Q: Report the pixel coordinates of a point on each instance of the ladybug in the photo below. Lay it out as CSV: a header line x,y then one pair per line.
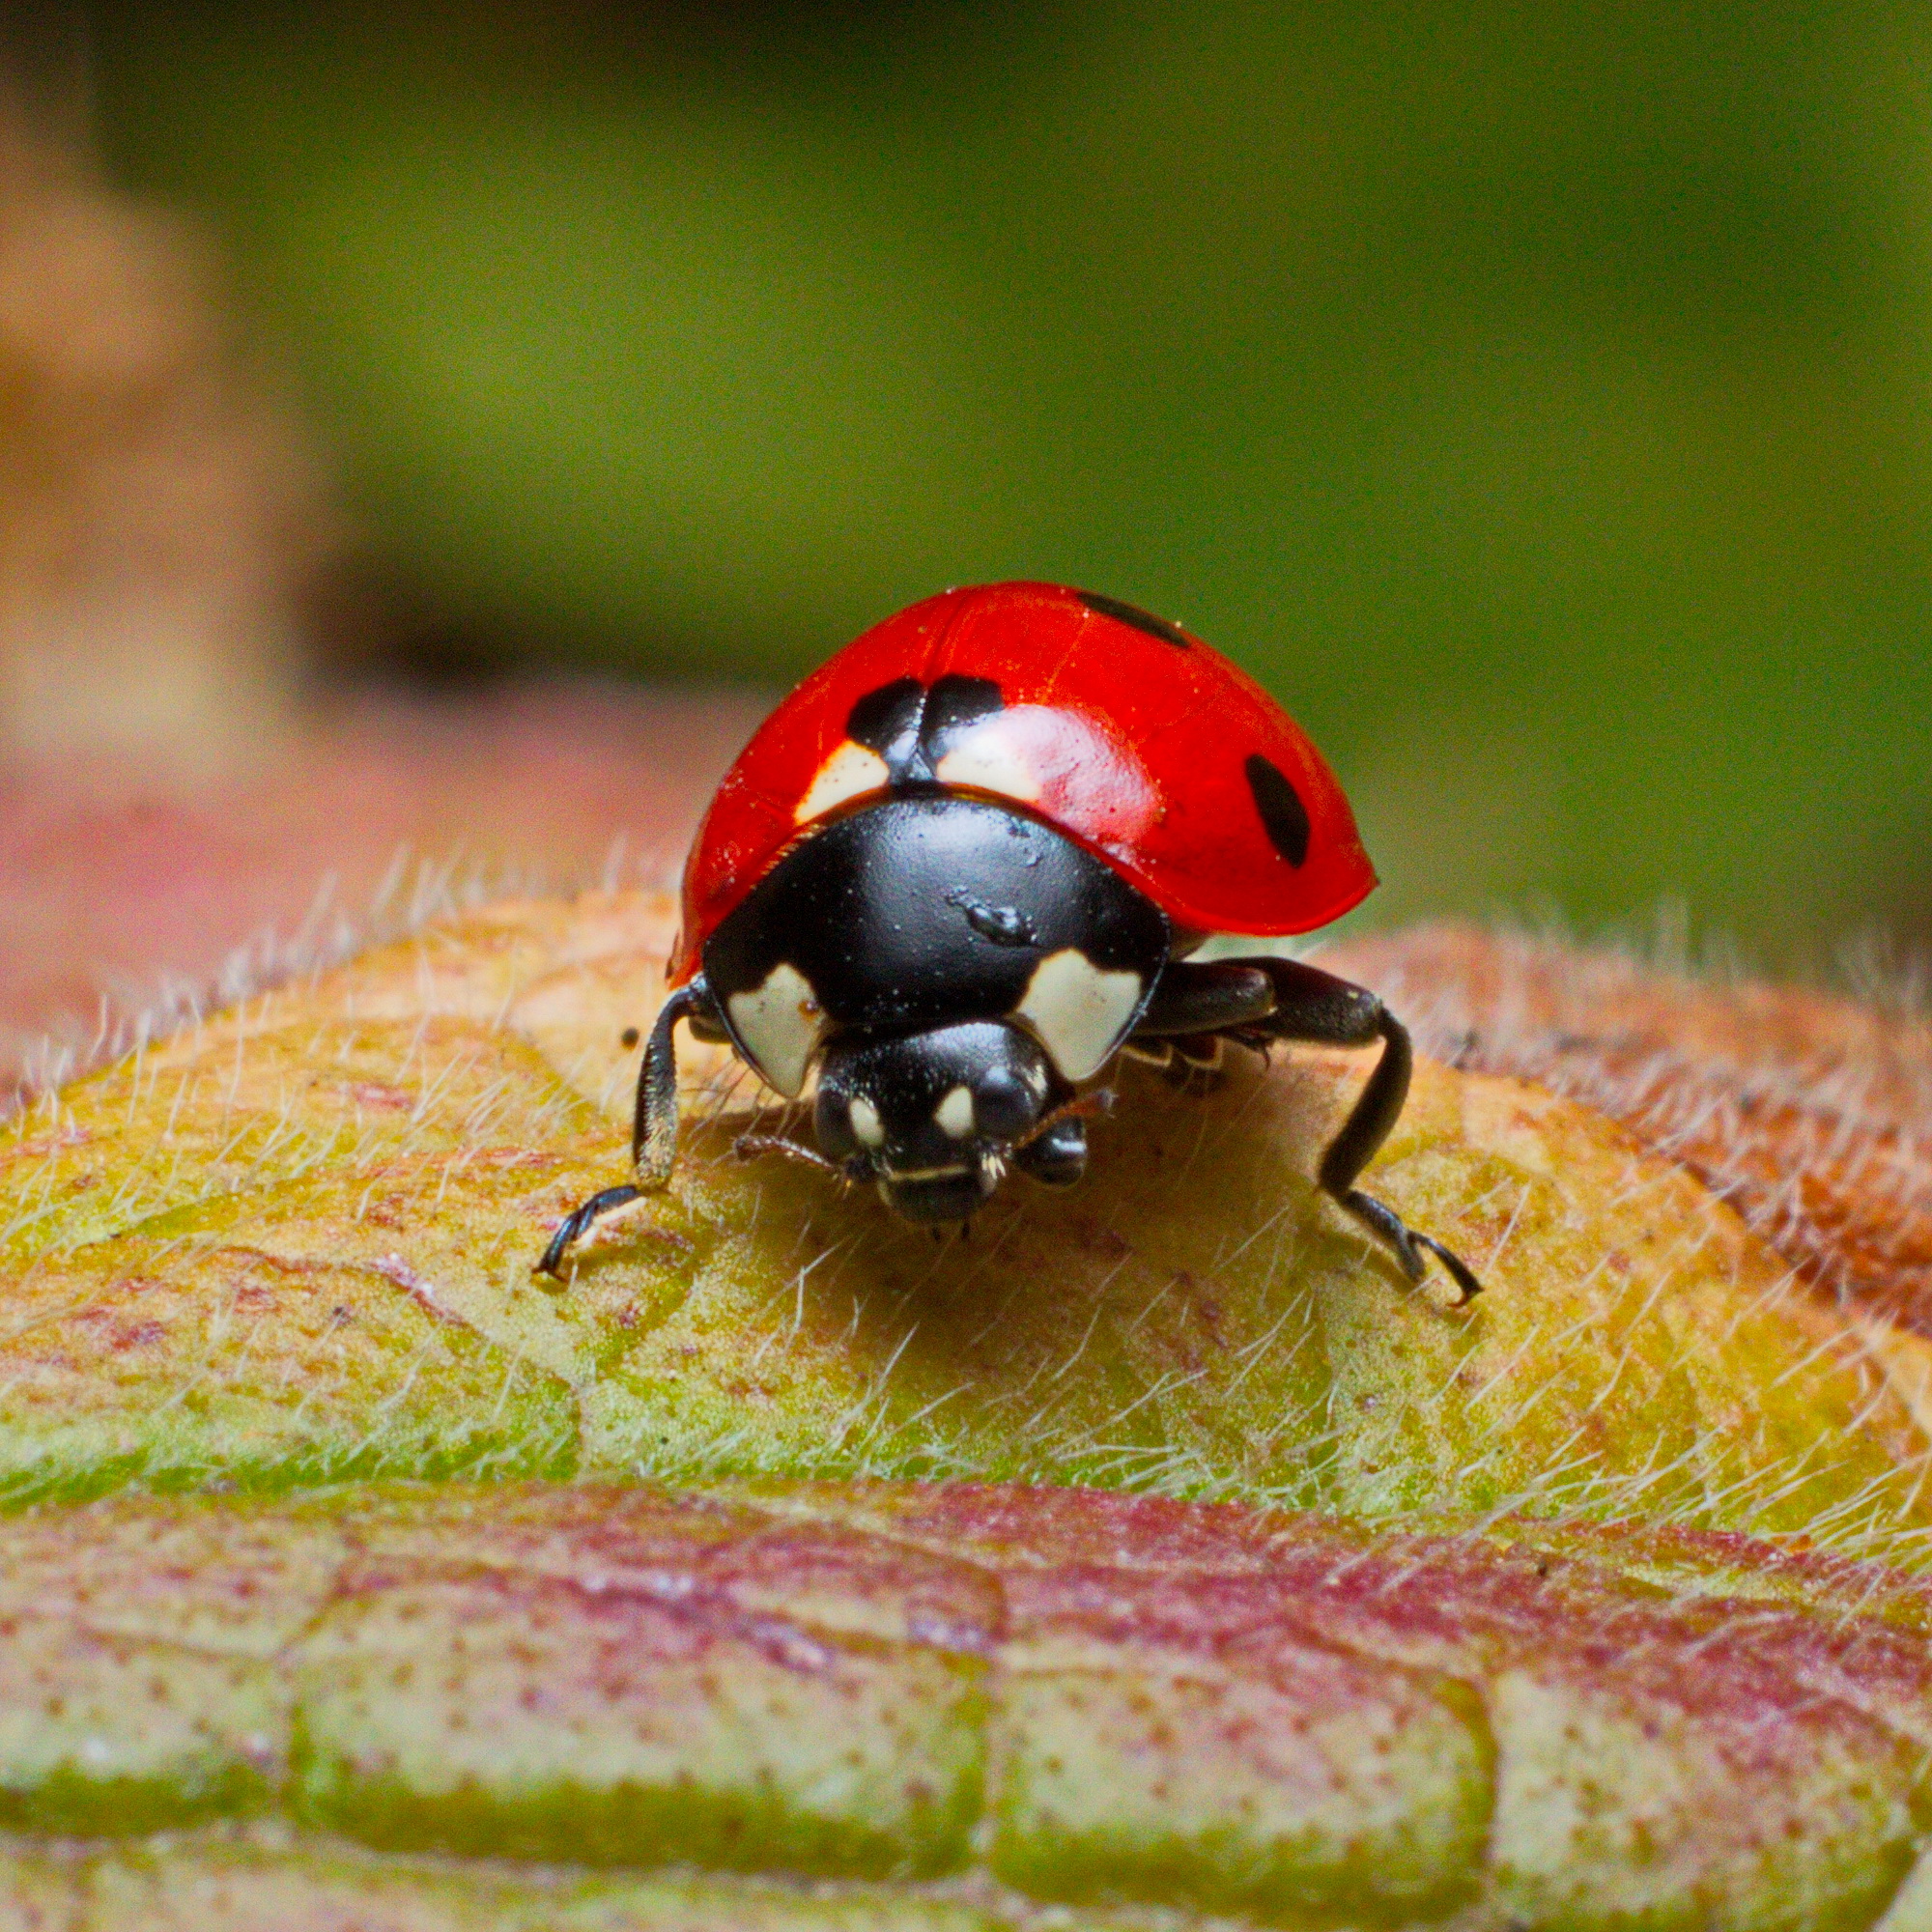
x,y
967,862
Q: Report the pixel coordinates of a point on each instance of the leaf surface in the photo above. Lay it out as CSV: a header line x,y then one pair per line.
x,y
1155,1551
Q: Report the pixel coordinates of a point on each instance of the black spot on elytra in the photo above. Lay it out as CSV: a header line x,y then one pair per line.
x,y
1141,620
1280,806
910,727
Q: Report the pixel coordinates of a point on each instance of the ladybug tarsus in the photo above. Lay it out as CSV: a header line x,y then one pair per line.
x,y
574,1226
1459,1270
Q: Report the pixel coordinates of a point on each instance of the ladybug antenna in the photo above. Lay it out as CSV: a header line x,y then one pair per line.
x,y
1081,1107
749,1147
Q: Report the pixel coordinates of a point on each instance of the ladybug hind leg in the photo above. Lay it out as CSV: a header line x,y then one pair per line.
x,y
1258,1001
654,1124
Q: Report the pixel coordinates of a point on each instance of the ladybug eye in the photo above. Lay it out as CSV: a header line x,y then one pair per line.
x,y
832,1123
844,1125
1003,1104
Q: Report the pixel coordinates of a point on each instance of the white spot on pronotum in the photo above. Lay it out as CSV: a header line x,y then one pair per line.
x,y
778,1024
866,1127
1079,1010
955,1113
851,772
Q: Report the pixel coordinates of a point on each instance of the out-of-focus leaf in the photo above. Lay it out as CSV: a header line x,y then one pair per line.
x,y
1020,1694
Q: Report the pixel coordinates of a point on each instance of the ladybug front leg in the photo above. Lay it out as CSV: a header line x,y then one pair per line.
x,y
1195,1006
1308,1005
654,1124
578,1222
653,1127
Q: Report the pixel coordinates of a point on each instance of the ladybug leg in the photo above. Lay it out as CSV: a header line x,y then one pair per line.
x,y
1318,1009
1209,996
654,1124
573,1224
654,1130
749,1147
1195,1006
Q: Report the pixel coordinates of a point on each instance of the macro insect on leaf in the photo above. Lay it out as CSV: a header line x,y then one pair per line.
x,y
969,861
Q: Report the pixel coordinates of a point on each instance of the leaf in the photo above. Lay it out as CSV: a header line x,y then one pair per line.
x,y
1156,1548
1025,1692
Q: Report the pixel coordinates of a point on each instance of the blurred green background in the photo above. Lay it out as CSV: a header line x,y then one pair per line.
x,y
1538,398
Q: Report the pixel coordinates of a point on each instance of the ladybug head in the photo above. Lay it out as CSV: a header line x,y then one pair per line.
x,y
932,1117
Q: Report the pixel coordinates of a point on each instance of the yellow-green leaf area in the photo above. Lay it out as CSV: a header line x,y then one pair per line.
x,y
292,1244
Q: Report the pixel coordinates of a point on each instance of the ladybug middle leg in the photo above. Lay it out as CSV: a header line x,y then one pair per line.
x,y
1263,1000
654,1124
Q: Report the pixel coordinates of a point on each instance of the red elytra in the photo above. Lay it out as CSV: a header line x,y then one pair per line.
x,y
1136,747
